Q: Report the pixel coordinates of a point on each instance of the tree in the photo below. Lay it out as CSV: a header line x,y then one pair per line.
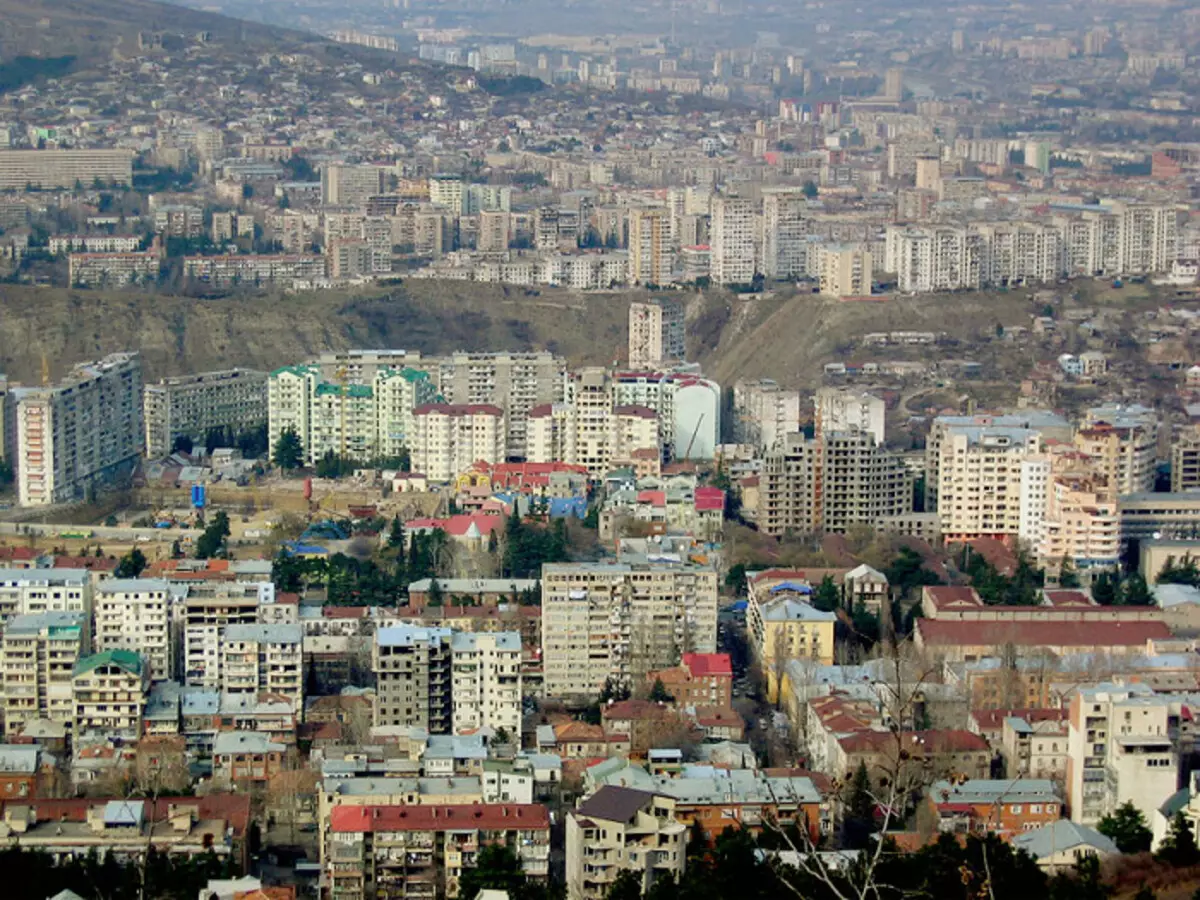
x,y
497,868
859,822
626,886
436,595
182,444
211,541
810,189
659,693
1179,846
289,452
131,565
827,597
1135,592
1067,576
1126,827
396,534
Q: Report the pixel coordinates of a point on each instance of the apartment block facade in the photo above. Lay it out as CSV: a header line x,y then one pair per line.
x,y
448,438
109,693
50,169
733,231
257,659
26,592
37,656
656,333
135,614
621,621
763,412
193,405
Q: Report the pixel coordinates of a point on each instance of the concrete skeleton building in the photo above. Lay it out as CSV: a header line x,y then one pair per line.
x,y
764,412
193,405
622,620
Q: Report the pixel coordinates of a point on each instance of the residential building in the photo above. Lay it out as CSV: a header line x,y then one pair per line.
x,y
860,482
734,260
764,413
80,432
788,487
258,659
205,616
135,614
656,333
117,269
844,270
254,269
179,221
109,695
26,592
1159,516
618,830
979,480
1004,807
246,757
1036,746
485,682
229,226
925,260
1059,846
407,851
194,405
1185,460
649,255
1120,750
700,679
835,409
37,655
785,229
50,169
782,626
1080,525
620,621
448,438
446,192
349,185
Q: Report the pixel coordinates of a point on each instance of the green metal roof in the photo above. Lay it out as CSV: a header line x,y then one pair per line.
x,y
125,659
360,391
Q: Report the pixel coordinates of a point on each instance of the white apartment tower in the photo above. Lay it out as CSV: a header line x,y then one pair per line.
x,y
764,412
448,438
37,656
136,614
79,432
732,240
784,232
836,409
258,659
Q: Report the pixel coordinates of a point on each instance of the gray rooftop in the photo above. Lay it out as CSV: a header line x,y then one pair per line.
x,y
39,622
133,586
265,634
245,742
1060,836
64,577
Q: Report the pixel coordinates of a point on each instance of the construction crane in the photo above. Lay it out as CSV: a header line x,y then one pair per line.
x,y
695,431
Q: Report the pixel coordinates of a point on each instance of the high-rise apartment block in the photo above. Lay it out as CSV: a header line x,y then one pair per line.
x,y
785,231
980,479
50,169
734,259
657,333
649,247
622,620
194,405
37,656
448,438
349,185
445,681
835,409
845,270
1123,448
257,659
79,432
942,258
764,412
136,614
446,192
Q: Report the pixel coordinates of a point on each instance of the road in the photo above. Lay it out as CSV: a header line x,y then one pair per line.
x,y
116,533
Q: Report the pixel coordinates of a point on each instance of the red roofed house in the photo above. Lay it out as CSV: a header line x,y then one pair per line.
x,y
422,851
887,754
701,679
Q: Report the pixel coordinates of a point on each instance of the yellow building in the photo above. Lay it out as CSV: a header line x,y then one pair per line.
x,y
783,625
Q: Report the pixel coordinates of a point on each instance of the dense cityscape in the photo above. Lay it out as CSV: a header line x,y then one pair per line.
x,y
663,451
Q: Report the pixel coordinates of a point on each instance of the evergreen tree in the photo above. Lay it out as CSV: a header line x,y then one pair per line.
x,y
1126,827
289,452
827,597
396,534
659,693
1179,846
131,565
436,596
859,822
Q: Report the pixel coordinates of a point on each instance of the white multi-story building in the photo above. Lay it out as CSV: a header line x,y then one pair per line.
x,y
203,619
136,614
592,434
79,432
193,405
27,592
933,259
784,232
37,656
446,192
258,659
1118,238
764,412
447,438
846,410
619,620
109,693
845,270
1013,252
979,480
485,681
349,185
734,260
657,333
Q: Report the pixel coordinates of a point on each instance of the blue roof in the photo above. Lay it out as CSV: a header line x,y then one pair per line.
x,y
792,586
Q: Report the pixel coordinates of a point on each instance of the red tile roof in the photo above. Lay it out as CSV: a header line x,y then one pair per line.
x,y
708,498
473,817
1063,598
702,665
944,595
935,741
640,412
972,633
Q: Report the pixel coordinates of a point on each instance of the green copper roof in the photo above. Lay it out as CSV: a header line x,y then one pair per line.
x,y
361,391
125,659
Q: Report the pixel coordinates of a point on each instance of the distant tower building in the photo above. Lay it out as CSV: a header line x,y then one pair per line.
x,y
656,333
893,85
958,41
929,173
732,240
649,259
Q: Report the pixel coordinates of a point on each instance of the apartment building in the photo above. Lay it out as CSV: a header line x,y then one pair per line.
x,y
590,432
1118,238
1185,460
79,432
194,405
763,412
93,243
732,241
258,659
495,232
229,226
657,333
1081,524
178,220
618,830
446,192
1124,453
109,693
1020,252
350,185
782,625
37,655
448,438
485,681
1005,807
700,679
845,270
836,409
979,480
26,592
1155,516
113,269
422,851
135,614
788,487
785,229
51,169
649,251
932,259
860,482
253,269
360,412
204,618
622,620
1120,750
412,672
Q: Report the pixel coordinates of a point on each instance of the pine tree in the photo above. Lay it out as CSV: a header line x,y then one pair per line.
x,y
1179,846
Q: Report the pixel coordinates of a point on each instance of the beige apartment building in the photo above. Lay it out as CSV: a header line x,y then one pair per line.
x,y
79,432
350,185
657,332
113,269
135,614
193,405
257,659
28,592
1081,524
1125,455
732,239
49,169
649,253
1185,460
109,695
979,480
622,620
495,231
845,271
37,656
449,438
